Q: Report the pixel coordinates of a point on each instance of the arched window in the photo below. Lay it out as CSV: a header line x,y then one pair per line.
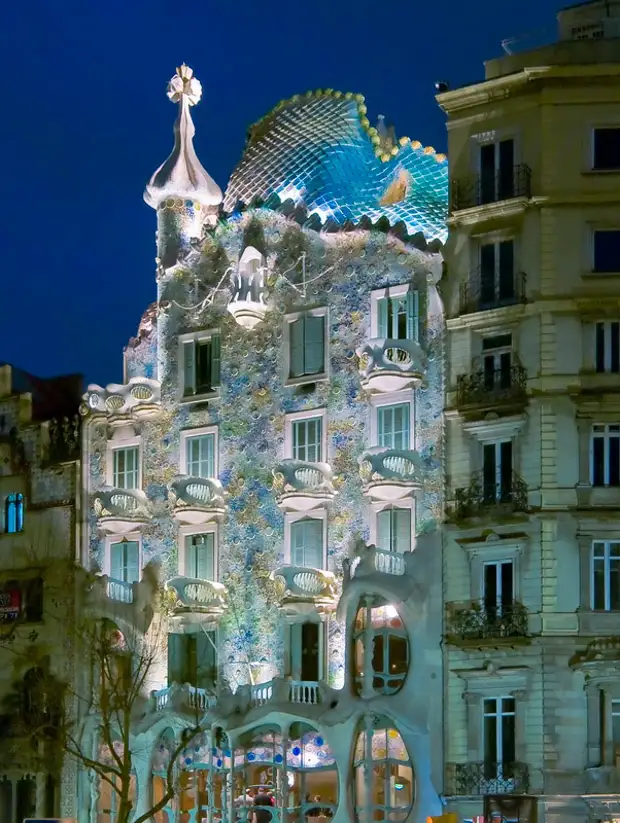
x,y
311,776
14,514
383,774
380,648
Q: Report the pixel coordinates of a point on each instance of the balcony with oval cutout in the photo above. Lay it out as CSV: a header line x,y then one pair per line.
x,y
302,486
391,365
390,474
193,596
197,500
121,510
301,589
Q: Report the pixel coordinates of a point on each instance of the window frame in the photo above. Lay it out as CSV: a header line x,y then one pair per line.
x,y
130,537
318,311
380,506
192,531
187,434
406,397
598,229
499,734
608,349
296,417
202,336
290,518
134,442
606,543
397,290
592,144
606,438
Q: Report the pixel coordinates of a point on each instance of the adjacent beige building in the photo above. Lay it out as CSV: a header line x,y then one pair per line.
x,y
532,541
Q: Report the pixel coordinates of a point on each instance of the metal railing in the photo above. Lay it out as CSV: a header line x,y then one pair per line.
x,y
488,386
480,496
490,291
471,779
482,620
480,189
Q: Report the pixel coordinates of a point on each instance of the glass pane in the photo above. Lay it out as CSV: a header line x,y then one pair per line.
x,y
508,739
201,456
607,148
607,251
490,738
598,461
598,583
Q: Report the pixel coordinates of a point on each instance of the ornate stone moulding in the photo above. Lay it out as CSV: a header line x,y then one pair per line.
x,y
140,397
301,486
197,500
391,365
390,474
121,510
302,590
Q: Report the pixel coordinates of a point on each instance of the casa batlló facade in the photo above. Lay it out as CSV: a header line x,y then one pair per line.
x,y
275,449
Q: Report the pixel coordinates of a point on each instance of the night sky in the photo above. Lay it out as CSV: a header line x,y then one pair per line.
x,y
86,121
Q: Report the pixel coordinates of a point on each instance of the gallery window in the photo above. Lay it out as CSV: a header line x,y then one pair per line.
x,y
307,345
605,586
605,455
201,365
380,648
14,513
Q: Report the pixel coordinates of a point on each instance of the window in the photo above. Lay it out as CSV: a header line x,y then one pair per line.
x,y
307,436
125,561
615,728
379,632
606,149
394,530
307,543
307,345
307,651
200,556
606,575
497,472
607,346
497,273
498,587
499,735
200,455
497,362
605,458
14,513
393,426
192,659
606,251
497,171
201,365
397,316
125,468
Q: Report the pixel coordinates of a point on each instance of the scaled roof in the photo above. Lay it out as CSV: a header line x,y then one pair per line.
x,y
319,150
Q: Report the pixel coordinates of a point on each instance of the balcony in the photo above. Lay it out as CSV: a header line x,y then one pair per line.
x,y
479,624
487,389
301,590
475,779
120,511
391,365
484,499
301,486
299,692
130,605
194,597
390,474
197,500
247,302
476,190
486,291
371,560
140,397
183,697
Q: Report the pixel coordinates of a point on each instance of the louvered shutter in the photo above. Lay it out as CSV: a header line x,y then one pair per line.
x,y
204,557
116,561
402,529
132,564
413,331
176,658
314,345
384,530
216,361
296,331
189,367
382,318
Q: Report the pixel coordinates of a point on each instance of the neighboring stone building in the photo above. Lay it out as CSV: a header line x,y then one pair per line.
x,y
282,406
532,545
39,526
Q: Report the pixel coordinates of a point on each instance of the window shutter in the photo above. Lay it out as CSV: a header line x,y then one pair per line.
x,y
189,367
383,426
204,557
382,318
209,454
216,360
116,561
176,656
402,530
132,566
314,345
296,332
384,530
297,544
314,440
314,544
205,659
413,329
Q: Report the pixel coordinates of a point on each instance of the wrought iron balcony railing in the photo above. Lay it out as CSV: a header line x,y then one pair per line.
x,y
482,496
479,189
490,386
491,290
481,620
472,779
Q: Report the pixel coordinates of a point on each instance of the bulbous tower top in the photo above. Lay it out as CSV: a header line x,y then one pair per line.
x,y
182,174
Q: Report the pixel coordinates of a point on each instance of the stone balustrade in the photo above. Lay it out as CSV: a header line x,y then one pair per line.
x,y
197,500
370,560
391,365
120,510
390,474
302,486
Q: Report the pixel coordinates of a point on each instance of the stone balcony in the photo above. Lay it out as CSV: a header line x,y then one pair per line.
x,y
193,599
139,398
390,474
183,698
301,486
476,779
197,500
391,365
302,590
499,390
481,499
120,511
370,560
299,692
477,624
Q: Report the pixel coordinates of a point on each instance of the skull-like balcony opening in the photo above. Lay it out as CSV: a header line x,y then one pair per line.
x,y
302,486
197,500
120,511
391,365
390,474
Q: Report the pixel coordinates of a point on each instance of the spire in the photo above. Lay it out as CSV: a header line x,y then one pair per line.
x,y
182,175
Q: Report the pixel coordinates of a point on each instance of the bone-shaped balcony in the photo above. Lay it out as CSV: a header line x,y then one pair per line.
x,y
121,510
391,365
197,500
302,589
302,486
193,596
390,474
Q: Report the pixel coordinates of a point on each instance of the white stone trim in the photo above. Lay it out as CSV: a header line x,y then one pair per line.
x,y
190,531
187,434
131,537
494,429
307,414
319,311
294,517
588,145
405,397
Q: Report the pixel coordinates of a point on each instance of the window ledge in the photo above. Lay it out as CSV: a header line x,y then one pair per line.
x,y
592,275
306,378
200,398
596,172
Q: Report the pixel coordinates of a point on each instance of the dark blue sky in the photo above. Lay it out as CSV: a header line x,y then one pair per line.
x,y
86,121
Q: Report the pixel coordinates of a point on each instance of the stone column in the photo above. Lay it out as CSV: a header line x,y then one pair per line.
x,y
584,427
368,691
520,698
593,703
474,722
